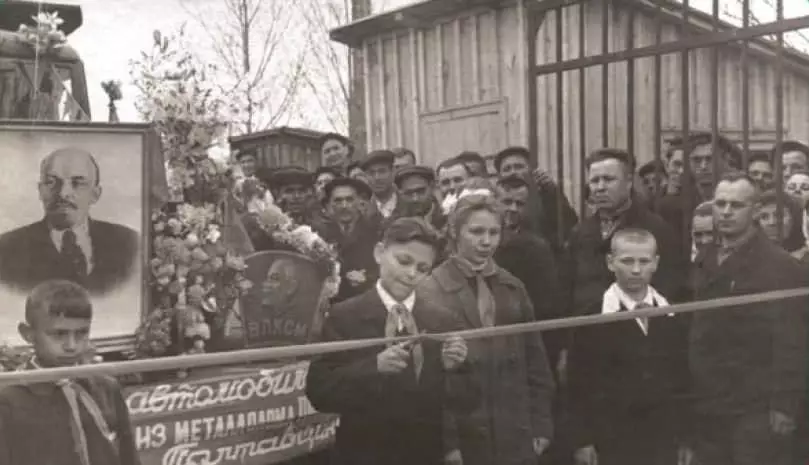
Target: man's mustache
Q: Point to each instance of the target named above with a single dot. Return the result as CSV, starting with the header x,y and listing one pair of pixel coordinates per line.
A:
x,y
62,204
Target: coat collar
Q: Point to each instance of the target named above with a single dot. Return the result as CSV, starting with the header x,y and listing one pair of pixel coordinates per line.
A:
x,y
452,280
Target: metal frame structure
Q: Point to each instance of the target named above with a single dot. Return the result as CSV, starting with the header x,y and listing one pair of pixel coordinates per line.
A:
x,y
720,35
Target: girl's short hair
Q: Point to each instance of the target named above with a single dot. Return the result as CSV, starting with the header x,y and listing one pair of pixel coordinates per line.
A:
x,y
466,206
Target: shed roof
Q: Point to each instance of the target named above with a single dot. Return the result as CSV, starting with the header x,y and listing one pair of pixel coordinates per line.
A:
x,y
425,12
300,133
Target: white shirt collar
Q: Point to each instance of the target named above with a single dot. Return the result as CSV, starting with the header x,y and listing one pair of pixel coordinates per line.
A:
x,y
82,240
615,298
386,208
390,302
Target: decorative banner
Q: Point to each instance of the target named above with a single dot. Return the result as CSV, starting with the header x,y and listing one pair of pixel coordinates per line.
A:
x,y
281,307
246,416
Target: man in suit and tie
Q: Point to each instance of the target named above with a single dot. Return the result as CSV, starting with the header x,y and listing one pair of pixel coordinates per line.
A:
x,y
628,379
67,243
391,400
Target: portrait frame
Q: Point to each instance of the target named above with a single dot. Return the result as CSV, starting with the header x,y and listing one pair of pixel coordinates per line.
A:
x,y
151,195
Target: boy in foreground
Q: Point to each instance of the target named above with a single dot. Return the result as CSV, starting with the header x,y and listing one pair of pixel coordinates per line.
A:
x,y
628,379
391,400
70,422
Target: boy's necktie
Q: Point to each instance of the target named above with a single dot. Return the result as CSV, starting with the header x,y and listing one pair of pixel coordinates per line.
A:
x,y
644,321
76,395
400,322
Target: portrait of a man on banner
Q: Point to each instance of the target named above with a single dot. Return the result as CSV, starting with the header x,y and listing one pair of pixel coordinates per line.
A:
x,y
281,307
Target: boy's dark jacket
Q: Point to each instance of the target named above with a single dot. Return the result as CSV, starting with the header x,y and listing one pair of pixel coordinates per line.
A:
x,y
616,373
387,419
35,426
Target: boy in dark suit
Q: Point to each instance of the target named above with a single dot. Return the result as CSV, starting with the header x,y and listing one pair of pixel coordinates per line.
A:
x,y
391,400
71,422
628,378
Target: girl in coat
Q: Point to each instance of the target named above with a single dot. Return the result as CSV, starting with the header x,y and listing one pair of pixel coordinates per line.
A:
x,y
513,424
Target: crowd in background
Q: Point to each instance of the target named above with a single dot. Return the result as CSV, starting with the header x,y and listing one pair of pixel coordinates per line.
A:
x,y
704,220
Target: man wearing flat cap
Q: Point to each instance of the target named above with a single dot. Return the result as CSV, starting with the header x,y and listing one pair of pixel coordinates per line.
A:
x,y
415,190
295,190
353,234
548,197
378,166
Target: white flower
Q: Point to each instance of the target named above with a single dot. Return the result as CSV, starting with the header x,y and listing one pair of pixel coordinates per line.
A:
x,y
448,204
213,234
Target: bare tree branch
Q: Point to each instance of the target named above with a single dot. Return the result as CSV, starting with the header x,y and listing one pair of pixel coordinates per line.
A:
x,y
248,42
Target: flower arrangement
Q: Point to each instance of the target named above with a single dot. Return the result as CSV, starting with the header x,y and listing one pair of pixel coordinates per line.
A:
x,y
305,241
195,280
45,36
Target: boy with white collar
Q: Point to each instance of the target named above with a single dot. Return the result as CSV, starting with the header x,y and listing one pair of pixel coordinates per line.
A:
x,y
628,378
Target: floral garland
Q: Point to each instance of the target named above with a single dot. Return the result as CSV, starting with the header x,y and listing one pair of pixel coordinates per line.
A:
x,y
305,241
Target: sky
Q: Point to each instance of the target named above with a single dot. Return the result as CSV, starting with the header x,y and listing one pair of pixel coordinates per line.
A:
x,y
116,31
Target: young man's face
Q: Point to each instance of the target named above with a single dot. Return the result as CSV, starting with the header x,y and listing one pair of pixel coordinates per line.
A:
x,y
768,221
344,204
675,169
380,178
295,197
701,161
798,187
654,183
403,266
58,341
792,162
417,194
633,263
452,179
513,201
334,153
761,171
514,165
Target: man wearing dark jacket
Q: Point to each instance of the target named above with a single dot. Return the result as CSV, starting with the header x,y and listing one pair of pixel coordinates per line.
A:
x,y
610,174
747,362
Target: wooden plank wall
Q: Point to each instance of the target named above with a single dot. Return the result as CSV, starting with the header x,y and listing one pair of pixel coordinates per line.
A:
x,y
761,92
452,86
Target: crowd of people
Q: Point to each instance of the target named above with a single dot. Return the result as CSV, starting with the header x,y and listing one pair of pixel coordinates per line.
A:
x,y
481,243
487,241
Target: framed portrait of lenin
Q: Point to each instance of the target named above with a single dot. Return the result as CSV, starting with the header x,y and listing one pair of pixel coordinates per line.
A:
x,y
75,203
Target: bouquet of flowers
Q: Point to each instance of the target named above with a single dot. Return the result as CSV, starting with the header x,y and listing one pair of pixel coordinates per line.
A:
x,y
195,280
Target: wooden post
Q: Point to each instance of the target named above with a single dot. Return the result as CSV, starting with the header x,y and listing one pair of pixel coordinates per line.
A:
x,y
357,126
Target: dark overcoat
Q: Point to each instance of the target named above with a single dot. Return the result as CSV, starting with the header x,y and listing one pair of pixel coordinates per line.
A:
x,y
516,381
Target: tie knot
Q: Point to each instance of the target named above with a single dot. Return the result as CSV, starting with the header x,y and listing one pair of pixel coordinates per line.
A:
x,y
399,310
642,305
69,236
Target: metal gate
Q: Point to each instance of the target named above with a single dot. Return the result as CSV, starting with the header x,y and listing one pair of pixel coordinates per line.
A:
x,y
602,76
